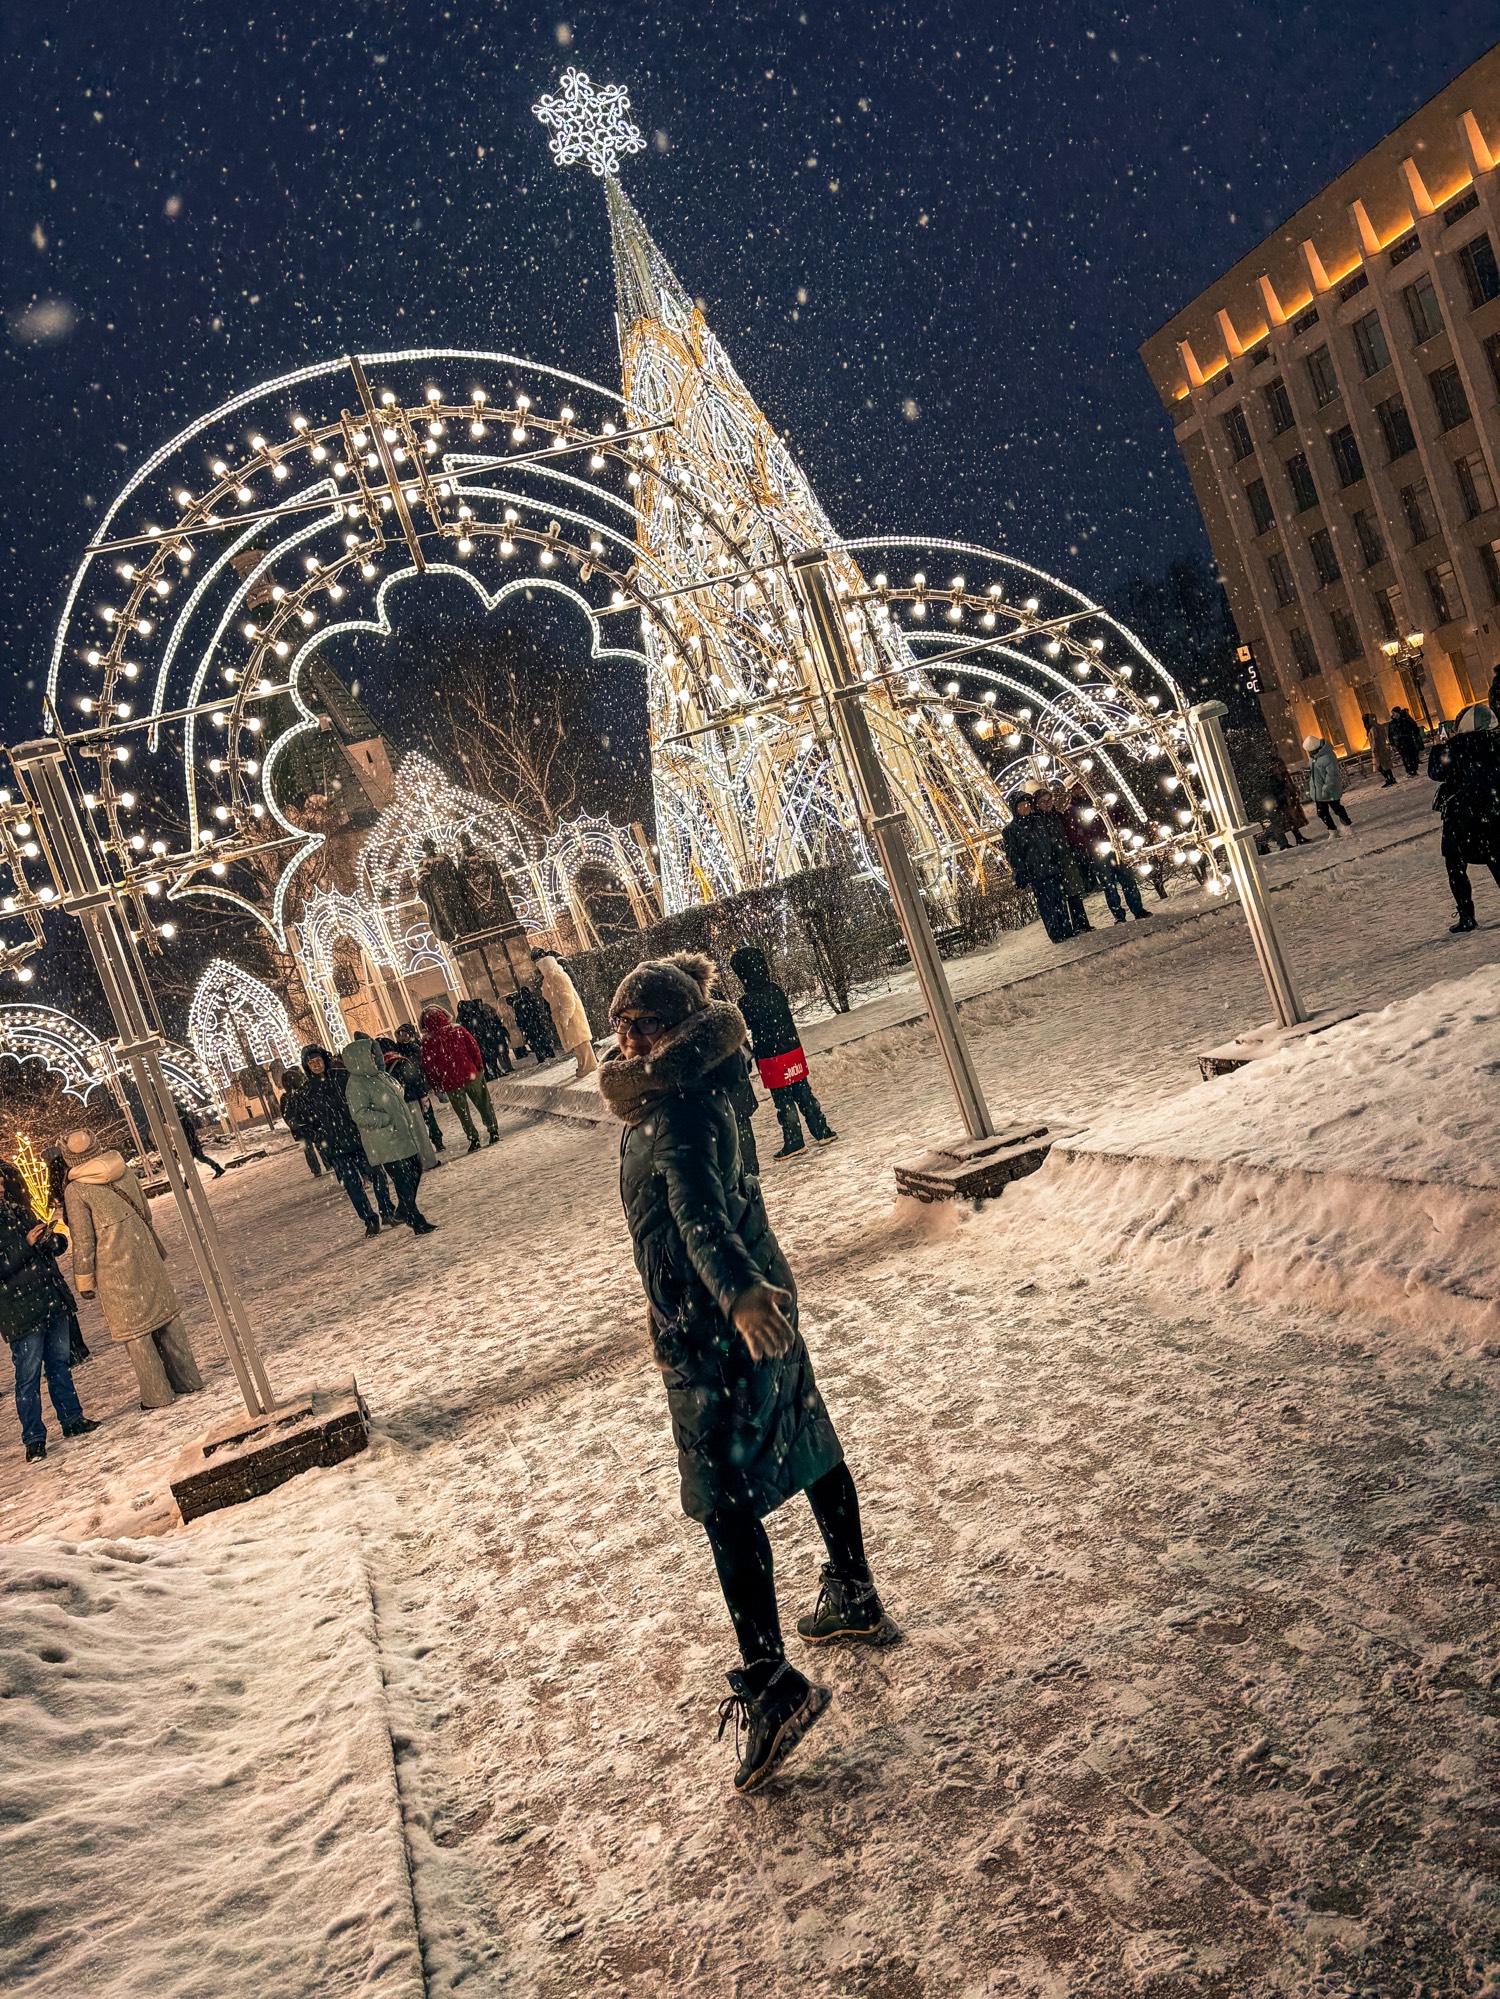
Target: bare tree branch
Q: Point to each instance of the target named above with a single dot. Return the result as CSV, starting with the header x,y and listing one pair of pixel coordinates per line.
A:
x,y
504,740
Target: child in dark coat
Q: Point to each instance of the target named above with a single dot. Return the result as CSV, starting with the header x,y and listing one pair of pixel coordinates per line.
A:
x,y
777,1047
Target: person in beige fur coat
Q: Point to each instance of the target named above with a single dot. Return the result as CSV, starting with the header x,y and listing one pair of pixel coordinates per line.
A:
x,y
118,1256
568,1016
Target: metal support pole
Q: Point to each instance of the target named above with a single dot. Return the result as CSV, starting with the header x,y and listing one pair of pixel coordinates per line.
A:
x,y
89,897
843,694
1222,788
122,1101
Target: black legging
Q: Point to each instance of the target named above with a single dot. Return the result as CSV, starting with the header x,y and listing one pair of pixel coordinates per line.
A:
x,y
747,1575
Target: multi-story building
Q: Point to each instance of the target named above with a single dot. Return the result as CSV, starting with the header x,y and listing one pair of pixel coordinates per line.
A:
x,y
1336,395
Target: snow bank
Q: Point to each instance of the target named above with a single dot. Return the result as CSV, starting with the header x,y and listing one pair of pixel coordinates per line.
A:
x,y
1359,1167
198,1793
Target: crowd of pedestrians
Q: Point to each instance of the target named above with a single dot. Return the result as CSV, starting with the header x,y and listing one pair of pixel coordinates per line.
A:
x,y
367,1113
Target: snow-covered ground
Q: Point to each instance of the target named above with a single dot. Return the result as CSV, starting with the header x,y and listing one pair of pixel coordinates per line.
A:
x,y
1198,1693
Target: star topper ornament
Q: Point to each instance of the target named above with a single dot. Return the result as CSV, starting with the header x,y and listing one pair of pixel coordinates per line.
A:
x,y
589,124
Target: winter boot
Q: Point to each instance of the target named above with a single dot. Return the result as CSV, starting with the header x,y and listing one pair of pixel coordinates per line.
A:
x,y
81,1428
827,1136
791,1151
1463,923
421,1226
476,1145
773,1706
372,1226
1119,916
39,1450
847,1610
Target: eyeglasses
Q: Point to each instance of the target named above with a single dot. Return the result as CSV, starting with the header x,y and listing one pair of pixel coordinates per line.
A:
x,y
645,1024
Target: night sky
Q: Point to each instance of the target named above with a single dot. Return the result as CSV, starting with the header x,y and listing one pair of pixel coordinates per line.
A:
x,y
931,238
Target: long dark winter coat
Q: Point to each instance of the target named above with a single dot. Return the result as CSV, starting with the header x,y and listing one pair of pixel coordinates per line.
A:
x,y
296,1110
1055,858
534,1018
1026,846
488,1029
321,1100
29,1287
1406,738
408,1071
749,1433
1466,770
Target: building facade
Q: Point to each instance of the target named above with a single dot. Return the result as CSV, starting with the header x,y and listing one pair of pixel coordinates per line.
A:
x,y
1336,396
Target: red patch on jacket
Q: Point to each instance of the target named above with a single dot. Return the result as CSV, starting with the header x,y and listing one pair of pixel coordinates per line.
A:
x,y
776,1071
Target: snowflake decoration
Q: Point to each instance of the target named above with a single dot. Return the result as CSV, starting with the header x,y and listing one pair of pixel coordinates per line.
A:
x,y
589,124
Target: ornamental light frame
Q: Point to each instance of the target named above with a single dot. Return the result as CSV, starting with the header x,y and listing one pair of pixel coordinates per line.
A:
x,y
235,1018
675,504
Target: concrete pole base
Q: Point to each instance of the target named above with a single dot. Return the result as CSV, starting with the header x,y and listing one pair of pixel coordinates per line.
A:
x,y
977,1169
1268,1040
244,1456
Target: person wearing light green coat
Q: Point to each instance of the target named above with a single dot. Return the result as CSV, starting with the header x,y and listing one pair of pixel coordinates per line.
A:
x,y
1325,783
386,1130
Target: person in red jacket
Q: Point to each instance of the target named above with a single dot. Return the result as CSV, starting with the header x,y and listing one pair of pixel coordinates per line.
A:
x,y
453,1064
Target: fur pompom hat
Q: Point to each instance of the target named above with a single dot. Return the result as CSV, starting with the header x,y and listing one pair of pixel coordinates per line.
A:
x,y
671,988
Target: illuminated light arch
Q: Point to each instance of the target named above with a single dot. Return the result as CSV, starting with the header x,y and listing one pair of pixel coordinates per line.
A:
x,y
597,843
427,805
235,1019
693,548
86,1061
60,1043
330,918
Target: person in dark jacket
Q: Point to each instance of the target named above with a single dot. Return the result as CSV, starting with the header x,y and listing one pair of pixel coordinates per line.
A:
x,y
1466,770
414,1083
1029,851
777,1047
750,1426
1079,818
1060,858
1406,738
1382,757
34,1325
17,1195
338,1138
298,1119
1281,805
488,1029
534,1019
194,1137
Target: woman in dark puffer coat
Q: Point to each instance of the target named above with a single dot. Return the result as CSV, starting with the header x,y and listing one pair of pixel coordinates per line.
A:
x,y
749,1423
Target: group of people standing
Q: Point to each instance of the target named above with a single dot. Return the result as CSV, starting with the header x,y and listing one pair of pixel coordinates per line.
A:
x,y
117,1257
1052,846
367,1114
1463,762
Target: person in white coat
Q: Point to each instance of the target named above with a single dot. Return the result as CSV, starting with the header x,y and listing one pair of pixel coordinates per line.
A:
x,y
118,1255
568,1016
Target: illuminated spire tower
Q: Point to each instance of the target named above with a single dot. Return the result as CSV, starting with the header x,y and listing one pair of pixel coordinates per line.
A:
x,y
757,796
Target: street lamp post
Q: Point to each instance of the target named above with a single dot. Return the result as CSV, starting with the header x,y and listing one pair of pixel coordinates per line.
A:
x,y
1407,652
984,1161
